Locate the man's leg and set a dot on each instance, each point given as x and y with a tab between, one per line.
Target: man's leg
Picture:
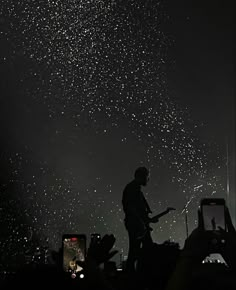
147	240
134	249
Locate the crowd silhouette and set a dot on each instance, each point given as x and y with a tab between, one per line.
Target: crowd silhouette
149	265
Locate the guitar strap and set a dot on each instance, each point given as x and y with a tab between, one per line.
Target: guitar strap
148	210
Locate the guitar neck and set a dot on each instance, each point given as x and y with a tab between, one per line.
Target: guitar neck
161	214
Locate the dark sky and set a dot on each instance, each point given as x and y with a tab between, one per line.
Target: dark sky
205	64
93	89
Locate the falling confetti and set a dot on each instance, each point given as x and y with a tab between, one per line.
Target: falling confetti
92	81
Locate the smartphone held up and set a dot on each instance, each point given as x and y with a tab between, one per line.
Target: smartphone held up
74	251
213	214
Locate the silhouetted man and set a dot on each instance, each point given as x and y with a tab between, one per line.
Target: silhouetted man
137	218
136	211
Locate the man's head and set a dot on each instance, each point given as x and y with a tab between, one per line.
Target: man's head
141	175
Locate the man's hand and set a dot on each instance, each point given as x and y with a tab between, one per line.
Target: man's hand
154	219
100	251
228	248
196	246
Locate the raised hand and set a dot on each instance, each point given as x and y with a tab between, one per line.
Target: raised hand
196	246
228	248
100	251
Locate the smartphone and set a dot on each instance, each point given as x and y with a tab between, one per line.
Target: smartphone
74	250
213	213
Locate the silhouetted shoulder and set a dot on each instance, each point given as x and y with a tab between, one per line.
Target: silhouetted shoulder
131	196
132	187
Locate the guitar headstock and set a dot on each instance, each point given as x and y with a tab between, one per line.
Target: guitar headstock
171	208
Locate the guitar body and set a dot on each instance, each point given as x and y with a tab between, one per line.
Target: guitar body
138	228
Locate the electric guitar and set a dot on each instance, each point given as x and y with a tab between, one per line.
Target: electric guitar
144	225
155	219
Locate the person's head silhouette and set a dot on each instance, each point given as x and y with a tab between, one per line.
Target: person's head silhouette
141	175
